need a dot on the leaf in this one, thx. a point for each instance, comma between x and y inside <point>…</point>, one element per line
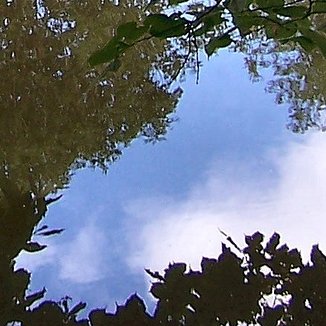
<point>114,65</point>
<point>210,21</point>
<point>236,6</point>
<point>273,242</point>
<point>176,2</point>
<point>52,200</point>
<point>316,256</point>
<point>110,52</point>
<point>317,38</point>
<point>291,11</point>
<point>51,232</point>
<point>44,227</point>
<point>319,7</point>
<point>77,308</point>
<point>155,275</point>
<point>269,3</point>
<point>279,32</point>
<point>217,43</point>
<point>159,291</point>
<point>34,247</point>
<point>30,299</point>
<point>21,279</point>
<point>130,31</point>
<point>163,26</point>
<point>306,43</point>
<point>245,22</point>
<point>175,271</point>
<point>254,240</point>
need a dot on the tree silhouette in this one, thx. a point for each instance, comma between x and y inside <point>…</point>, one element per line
<point>265,283</point>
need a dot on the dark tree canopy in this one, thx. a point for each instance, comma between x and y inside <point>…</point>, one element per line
<point>59,114</point>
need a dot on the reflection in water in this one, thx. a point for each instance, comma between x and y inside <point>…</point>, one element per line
<point>20,212</point>
<point>299,78</point>
<point>59,115</point>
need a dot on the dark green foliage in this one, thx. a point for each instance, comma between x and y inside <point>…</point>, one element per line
<point>280,20</point>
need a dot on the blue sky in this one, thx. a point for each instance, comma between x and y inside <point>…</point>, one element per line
<point>228,163</point>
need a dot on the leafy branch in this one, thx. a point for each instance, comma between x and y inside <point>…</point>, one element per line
<point>285,22</point>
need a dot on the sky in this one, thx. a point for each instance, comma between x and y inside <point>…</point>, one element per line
<point>229,163</point>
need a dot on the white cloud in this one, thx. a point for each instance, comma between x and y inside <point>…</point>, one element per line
<point>82,260</point>
<point>289,200</point>
<point>79,260</point>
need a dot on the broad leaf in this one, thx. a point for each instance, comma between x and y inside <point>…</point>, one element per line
<point>216,43</point>
<point>317,38</point>
<point>245,22</point>
<point>306,43</point>
<point>163,26</point>
<point>130,31</point>
<point>276,31</point>
<point>319,7</point>
<point>109,53</point>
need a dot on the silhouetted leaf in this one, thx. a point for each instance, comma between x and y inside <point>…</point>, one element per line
<point>316,256</point>
<point>245,23</point>
<point>255,239</point>
<point>52,200</point>
<point>175,270</point>
<point>272,243</point>
<point>33,247</point>
<point>30,299</point>
<point>155,275</point>
<point>21,280</point>
<point>51,232</point>
<point>159,290</point>
<point>77,308</point>
<point>44,227</point>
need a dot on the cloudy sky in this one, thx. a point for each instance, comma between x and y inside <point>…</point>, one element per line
<point>229,164</point>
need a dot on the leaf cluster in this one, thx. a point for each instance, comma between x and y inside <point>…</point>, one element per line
<point>281,20</point>
<point>265,283</point>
